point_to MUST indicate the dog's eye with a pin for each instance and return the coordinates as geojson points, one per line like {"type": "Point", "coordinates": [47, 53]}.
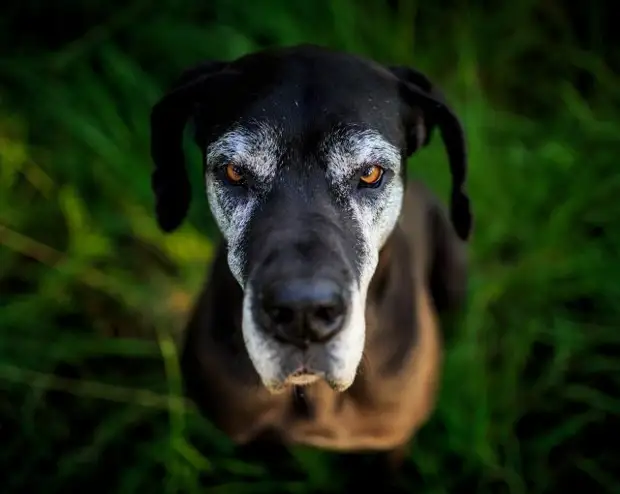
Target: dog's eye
{"type": "Point", "coordinates": [371, 175]}
{"type": "Point", "coordinates": [234, 174]}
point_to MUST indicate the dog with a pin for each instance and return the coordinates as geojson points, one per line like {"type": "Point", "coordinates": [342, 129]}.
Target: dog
{"type": "Point", "coordinates": [319, 320]}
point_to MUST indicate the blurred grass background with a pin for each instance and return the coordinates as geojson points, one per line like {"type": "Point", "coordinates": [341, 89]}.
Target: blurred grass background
{"type": "Point", "coordinates": [93, 296]}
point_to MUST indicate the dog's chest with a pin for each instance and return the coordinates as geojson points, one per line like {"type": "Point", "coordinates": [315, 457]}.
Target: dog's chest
{"type": "Point", "coordinates": [325, 419]}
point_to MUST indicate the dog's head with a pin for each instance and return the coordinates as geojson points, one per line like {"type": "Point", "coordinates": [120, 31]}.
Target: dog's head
{"type": "Point", "coordinates": [304, 165]}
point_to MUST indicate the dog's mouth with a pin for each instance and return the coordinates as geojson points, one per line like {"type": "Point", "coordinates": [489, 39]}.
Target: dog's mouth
{"type": "Point", "coordinates": [300, 378]}
{"type": "Point", "coordinates": [303, 377]}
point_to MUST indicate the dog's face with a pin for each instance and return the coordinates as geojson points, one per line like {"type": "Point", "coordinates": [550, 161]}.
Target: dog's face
{"type": "Point", "coordinates": [304, 214]}
{"type": "Point", "coordinates": [305, 173]}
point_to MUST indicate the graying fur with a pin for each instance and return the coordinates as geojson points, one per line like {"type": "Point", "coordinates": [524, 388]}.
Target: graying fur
{"type": "Point", "coordinates": [346, 152]}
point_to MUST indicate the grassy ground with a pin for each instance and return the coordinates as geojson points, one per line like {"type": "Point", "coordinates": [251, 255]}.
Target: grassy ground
{"type": "Point", "coordinates": [92, 295]}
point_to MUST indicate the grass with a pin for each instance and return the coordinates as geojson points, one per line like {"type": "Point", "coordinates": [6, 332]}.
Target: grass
{"type": "Point", "coordinates": [93, 296]}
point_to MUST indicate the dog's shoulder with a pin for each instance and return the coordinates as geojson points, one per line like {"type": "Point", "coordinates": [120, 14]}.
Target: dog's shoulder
{"type": "Point", "coordinates": [420, 200]}
{"type": "Point", "coordinates": [441, 256]}
{"type": "Point", "coordinates": [421, 208]}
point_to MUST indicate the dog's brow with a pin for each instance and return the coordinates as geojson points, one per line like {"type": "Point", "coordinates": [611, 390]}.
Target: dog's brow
{"type": "Point", "coordinates": [255, 148]}
{"type": "Point", "coordinates": [347, 149]}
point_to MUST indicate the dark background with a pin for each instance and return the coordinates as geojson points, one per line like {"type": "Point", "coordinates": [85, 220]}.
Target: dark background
{"type": "Point", "coordinates": [93, 297]}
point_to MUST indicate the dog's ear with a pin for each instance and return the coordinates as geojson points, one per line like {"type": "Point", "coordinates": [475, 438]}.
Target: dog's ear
{"type": "Point", "coordinates": [196, 86]}
{"type": "Point", "coordinates": [419, 93]}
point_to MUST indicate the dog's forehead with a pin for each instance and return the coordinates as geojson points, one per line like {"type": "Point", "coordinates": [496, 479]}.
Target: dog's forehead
{"type": "Point", "coordinates": [311, 102]}
{"type": "Point", "coordinates": [307, 85]}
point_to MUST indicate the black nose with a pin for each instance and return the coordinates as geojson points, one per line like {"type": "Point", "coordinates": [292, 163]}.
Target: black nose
{"type": "Point", "coordinates": [300, 312]}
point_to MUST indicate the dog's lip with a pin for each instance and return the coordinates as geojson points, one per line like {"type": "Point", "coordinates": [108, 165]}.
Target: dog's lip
{"type": "Point", "coordinates": [303, 376]}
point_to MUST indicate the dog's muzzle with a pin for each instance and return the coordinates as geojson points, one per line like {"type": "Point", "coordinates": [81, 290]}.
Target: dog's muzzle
{"type": "Point", "coordinates": [303, 309]}
{"type": "Point", "coordinates": [302, 319]}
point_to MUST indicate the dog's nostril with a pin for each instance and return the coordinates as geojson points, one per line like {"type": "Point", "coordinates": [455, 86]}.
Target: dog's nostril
{"type": "Point", "coordinates": [281, 315]}
{"type": "Point", "coordinates": [327, 314]}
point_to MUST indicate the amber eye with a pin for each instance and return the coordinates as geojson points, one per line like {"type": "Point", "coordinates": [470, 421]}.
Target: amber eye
{"type": "Point", "coordinates": [372, 175]}
{"type": "Point", "coordinates": [233, 174]}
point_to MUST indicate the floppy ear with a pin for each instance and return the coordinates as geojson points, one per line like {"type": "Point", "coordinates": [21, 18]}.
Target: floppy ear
{"type": "Point", "coordinates": [169, 115]}
{"type": "Point", "coordinates": [417, 93]}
